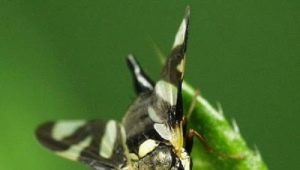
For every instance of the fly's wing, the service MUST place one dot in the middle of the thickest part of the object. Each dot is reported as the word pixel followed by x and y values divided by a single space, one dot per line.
pixel 142 82
pixel 101 145
pixel 168 87
pixel 157 112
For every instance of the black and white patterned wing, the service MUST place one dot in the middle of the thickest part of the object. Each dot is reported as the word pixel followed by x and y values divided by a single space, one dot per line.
pixel 142 82
pixel 168 87
pixel 100 145
pixel 157 113
pixel 167 91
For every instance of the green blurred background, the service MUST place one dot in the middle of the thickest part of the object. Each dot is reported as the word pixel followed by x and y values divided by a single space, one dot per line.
pixel 65 60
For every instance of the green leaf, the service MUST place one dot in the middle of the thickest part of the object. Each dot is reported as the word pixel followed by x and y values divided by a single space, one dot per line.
pixel 230 150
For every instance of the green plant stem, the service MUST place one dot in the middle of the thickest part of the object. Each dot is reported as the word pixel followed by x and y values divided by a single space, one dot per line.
pixel 230 150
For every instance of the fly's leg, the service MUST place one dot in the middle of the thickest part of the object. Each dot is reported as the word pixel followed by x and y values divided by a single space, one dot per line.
pixel 189 141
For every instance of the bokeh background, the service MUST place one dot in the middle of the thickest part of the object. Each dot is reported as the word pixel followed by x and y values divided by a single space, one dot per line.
pixel 65 60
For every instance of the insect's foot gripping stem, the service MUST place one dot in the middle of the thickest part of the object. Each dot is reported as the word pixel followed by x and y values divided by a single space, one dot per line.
pixel 189 140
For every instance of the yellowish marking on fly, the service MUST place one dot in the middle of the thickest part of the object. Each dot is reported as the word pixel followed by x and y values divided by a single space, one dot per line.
pixel 163 130
pixel 108 140
pixel 177 137
pixel 180 67
pixel 146 147
pixel 153 115
pixel 167 91
pixel 180 36
pixel 74 151
pixel 64 129
pixel 133 156
pixel 185 159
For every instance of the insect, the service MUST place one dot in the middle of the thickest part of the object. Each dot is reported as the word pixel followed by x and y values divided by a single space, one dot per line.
pixel 153 133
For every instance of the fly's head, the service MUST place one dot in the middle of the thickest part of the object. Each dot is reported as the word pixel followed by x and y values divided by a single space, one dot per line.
pixel 161 158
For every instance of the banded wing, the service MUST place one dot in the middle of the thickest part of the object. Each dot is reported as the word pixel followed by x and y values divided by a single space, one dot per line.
pixel 168 87
pixel 157 112
pixel 142 82
pixel 101 145
pixel 168 90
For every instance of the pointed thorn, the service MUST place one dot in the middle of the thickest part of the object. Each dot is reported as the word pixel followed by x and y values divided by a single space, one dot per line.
pixel 235 126
pixel 220 108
